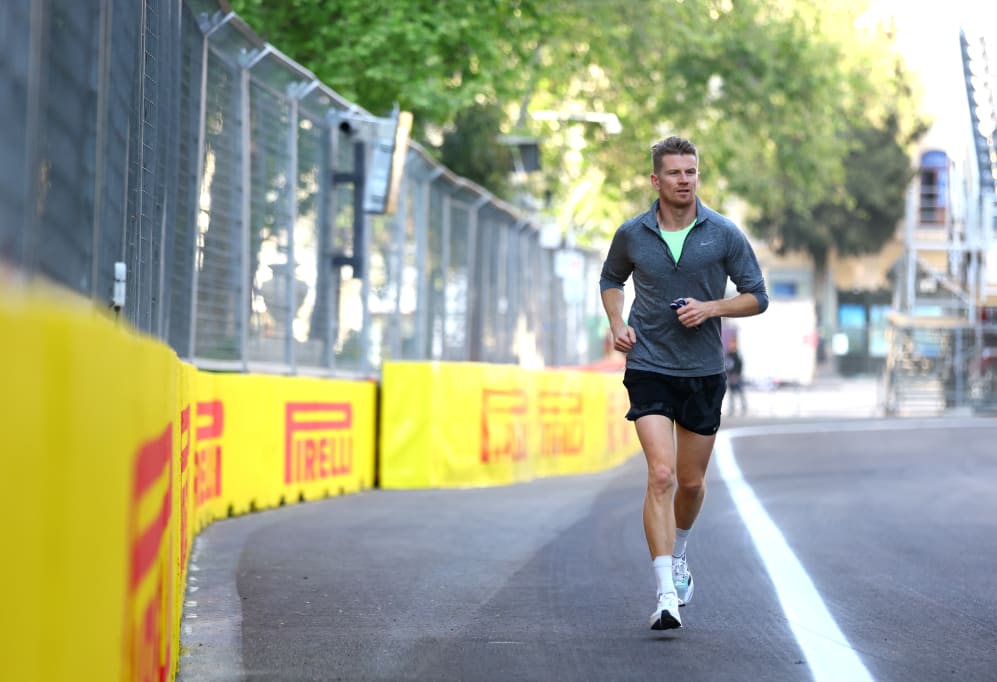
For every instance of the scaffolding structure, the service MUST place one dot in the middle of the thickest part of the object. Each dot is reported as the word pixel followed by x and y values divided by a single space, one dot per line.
pixel 942 333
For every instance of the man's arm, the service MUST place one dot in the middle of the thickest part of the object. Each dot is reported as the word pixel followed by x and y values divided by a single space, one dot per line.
pixel 742 305
pixel 742 267
pixel 623 334
pixel 694 313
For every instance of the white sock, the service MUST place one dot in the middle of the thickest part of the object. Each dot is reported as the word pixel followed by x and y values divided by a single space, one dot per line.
pixel 663 574
pixel 681 536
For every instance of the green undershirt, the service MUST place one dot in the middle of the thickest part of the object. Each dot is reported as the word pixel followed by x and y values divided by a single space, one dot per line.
pixel 676 240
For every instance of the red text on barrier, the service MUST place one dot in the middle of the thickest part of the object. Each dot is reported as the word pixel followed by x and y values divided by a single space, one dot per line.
pixel 562 430
pixel 318 441
pixel 503 425
pixel 208 455
pixel 185 434
pixel 153 471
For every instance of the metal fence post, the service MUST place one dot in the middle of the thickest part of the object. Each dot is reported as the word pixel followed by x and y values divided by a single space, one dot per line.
pixel 103 59
pixel 33 87
pixel 292 187
pixel 397 251
pixel 207 30
pixel 472 339
pixel 360 270
pixel 245 142
pixel 423 326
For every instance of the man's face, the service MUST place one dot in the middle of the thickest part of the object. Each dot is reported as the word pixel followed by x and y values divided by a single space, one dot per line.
pixel 678 180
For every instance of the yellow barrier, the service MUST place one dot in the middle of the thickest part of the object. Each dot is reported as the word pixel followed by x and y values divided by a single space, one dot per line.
pixel 114 455
pixel 89 428
pixel 265 441
pixel 468 424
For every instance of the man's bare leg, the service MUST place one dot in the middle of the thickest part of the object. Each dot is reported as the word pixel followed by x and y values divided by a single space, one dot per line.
pixel 692 459
pixel 693 452
pixel 656 436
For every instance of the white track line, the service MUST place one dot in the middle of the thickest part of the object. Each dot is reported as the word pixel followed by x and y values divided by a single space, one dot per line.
pixel 825 647
pixel 828 652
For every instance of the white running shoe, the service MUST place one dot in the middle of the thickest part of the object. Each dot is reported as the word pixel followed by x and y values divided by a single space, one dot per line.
pixel 682 579
pixel 666 615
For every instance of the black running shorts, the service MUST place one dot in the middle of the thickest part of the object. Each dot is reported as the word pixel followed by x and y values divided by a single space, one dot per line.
pixel 693 402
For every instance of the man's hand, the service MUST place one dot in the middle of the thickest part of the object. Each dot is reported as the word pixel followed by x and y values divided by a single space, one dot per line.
pixel 624 338
pixel 694 313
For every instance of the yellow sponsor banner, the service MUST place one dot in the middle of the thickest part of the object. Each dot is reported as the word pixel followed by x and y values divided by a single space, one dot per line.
pixel 213 470
pixel 569 437
pixel 455 424
pixel 264 441
pixel 26 461
pixel 183 527
pixel 467 424
pixel 506 424
pixel 88 494
pixel 582 422
pixel 620 434
pixel 114 455
pixel 328 437
pixel 409 398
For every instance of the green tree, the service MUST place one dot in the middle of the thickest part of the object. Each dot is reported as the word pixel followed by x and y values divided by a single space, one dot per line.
pixel 861 215
pixel 769 90
pixel 472 149
pixel 782 96
pixel 841 162
pixel 434 59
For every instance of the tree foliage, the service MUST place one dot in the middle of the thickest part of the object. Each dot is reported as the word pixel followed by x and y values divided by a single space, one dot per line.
pixel 796 109
pixel 861 214
pixel 434 59
pixel 471 149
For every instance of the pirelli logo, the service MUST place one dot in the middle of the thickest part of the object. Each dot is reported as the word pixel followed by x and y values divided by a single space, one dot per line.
pixel 208 456
pixel 149 518
pixel 503 425
pixel 318 441
pixel 562 429
pixel 185 434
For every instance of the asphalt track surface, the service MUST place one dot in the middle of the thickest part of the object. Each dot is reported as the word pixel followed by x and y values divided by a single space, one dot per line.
pixel 894 522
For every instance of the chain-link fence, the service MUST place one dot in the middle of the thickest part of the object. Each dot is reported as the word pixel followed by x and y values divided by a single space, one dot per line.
pixel 169 137
pixel 90 121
